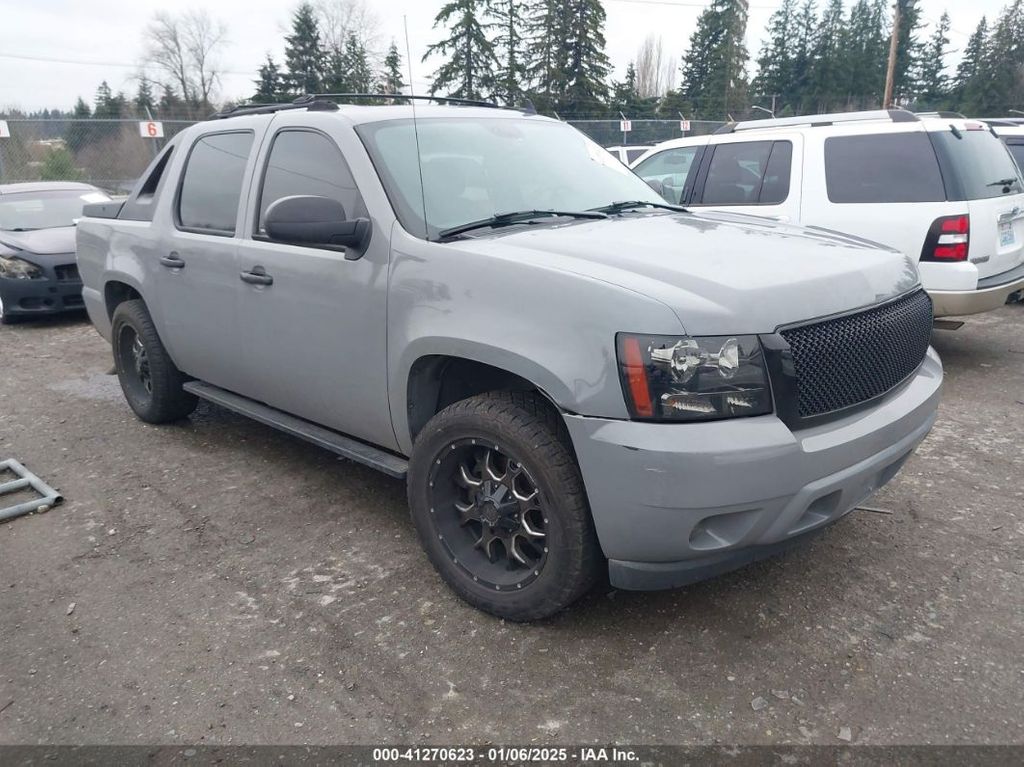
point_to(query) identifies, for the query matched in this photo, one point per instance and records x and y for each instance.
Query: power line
(81, 62)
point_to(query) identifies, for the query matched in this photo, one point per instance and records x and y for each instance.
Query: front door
(315, 333)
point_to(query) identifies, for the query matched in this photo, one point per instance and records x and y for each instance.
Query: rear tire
(499, 506)
(150, 381)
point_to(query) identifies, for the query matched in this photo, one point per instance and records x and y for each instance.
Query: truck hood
(39, 244)
(721, 273)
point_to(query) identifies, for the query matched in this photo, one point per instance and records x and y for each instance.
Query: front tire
(150, 381)
(499, 506)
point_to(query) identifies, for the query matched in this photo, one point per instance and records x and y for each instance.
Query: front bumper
(990, 294)
(676, 503)
(49, 295)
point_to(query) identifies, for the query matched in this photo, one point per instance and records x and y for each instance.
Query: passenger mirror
(317, 221)
(656, 185)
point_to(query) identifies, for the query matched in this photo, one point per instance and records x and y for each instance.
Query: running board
(346, 447)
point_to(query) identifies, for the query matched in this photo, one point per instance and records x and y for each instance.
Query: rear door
(195, 272)
(980, 169)
(759, 176)
(316, 337)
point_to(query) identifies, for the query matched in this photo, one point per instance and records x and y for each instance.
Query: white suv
(943, 190)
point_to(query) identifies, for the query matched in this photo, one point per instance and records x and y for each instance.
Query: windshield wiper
(1004, 182)
(20, 229)
(618, 207)
(516, 217)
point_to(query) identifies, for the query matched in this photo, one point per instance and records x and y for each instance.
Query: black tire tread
(169, 402)
(531, 418)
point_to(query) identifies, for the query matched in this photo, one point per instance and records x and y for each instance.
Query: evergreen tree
(866, 53)
(508, 44)
(933, 80)
(391, 78)
(269, 83)
(999, 83)
(828, 78)
(171, 105)
(304, 53)
(714, 68)
(969, 69)
(144, 102)
(468, 71)
(908, 52)
(803, 57)
(348, 68)
(586, 63)
(547, 57)
(775, 63)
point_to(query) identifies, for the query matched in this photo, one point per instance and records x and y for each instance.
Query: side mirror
(318, 221)
(656, 185)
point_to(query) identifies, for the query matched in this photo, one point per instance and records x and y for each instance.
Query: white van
(944, 190)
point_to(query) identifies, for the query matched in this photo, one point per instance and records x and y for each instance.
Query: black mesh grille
(67, 273)
(852, 359)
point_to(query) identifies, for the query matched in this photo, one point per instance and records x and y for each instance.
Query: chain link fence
(111, 154)
(108, 153)
(644, 132)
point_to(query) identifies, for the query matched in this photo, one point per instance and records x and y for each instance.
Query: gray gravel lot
(233, 585)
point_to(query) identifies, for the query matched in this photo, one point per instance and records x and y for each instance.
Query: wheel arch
(434, 380)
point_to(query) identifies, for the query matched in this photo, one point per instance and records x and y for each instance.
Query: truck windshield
(982, 163)
(474, 168)
(23, 212)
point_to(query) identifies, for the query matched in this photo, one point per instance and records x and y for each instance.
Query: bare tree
(183, 48)
(341, 18)
(655, 74)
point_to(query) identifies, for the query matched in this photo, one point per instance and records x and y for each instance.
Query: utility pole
(890, 73)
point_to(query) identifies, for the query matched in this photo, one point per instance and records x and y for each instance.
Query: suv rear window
(882, 167)
(981, 164)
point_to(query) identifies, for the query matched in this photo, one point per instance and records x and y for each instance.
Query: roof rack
(817, 121)
(1005, 122)
(944, 114)
(328, 102)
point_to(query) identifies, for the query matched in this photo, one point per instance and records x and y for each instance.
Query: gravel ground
(233, 585)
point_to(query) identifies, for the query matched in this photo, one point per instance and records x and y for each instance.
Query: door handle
(172, 261)
(257, 276)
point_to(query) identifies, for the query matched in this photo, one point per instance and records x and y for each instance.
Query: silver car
(570, 374)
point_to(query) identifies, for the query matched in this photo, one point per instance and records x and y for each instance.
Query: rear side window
(1017, 150)
(633, 154)
(982, 166)
(211, 185)
(140, 206)
(882, 167)
(307, 163)
(749, 173)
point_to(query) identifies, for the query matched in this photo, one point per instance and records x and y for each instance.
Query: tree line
(818, 56)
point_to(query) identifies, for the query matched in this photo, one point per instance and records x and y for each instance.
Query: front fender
(551, 327)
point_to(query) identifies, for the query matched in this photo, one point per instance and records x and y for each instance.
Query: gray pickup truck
(571, 375)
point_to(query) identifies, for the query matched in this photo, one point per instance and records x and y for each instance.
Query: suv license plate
(1006, 237)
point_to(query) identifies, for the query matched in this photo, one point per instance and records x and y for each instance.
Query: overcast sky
(52, 51)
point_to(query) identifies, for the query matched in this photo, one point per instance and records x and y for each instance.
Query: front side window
(303, 162)
(211, 186)
(882, 167)
(27, 211)
(471, 168)
(748, 173)
(671, 169)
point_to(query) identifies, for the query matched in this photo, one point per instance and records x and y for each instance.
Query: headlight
(673, 378)
(16, 269)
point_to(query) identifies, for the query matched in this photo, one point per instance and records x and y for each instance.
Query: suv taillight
(948, 239)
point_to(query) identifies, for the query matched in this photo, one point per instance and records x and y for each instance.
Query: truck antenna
(416, 130)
